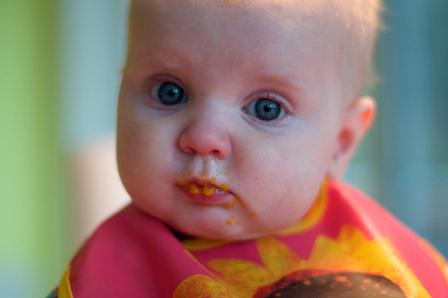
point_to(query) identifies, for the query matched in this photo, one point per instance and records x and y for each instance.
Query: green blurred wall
(32, 242)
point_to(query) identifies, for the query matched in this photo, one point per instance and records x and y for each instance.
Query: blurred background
(59, 74)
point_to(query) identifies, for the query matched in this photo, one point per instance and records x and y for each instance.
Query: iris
(170, 94)
(267, 109)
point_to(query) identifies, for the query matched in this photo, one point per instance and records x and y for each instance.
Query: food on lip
(193, 188)
(204, 187)
(208, 190)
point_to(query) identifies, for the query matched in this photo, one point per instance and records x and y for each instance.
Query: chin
(215, 229)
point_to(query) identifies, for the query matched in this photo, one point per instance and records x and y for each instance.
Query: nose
(205, 138)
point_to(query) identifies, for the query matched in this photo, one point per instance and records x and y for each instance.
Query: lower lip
(216, 199)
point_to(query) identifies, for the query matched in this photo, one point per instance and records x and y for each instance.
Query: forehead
(301, 16)
(264, 30)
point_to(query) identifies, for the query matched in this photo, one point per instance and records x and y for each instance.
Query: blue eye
(265, 109)
(169, 94)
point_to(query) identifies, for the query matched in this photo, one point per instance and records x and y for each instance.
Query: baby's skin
(231, 115)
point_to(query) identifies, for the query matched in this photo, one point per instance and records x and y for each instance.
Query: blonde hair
(362, 19)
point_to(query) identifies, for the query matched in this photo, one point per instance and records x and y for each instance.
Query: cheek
(299, 158)
(285, 176)
(145, 156)
(146, 170)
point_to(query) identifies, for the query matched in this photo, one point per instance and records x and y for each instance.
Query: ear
(357, 120)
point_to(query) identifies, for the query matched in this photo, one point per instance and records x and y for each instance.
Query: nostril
(216, 152)
(188, 150)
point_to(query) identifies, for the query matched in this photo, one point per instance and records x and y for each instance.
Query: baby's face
(228, 118)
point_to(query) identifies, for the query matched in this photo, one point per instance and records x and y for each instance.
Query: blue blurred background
(59, 74)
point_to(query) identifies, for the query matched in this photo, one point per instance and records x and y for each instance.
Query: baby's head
(233, 113)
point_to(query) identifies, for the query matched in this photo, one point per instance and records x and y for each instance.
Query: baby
(236, 119)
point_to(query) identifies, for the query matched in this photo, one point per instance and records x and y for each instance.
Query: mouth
(205, 191)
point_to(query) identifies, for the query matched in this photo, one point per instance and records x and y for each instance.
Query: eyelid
(275, 96)
(162, 78)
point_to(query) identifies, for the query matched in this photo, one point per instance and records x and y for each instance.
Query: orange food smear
(232, 220)
(231, 204)
(208, 190)
(193, 188)
(224, 187)
(251, 214)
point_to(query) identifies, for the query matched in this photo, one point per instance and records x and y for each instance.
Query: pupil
(267, 109)
(170, 94)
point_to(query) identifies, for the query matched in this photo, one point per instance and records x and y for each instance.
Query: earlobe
(368, 110)
(358, 119)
